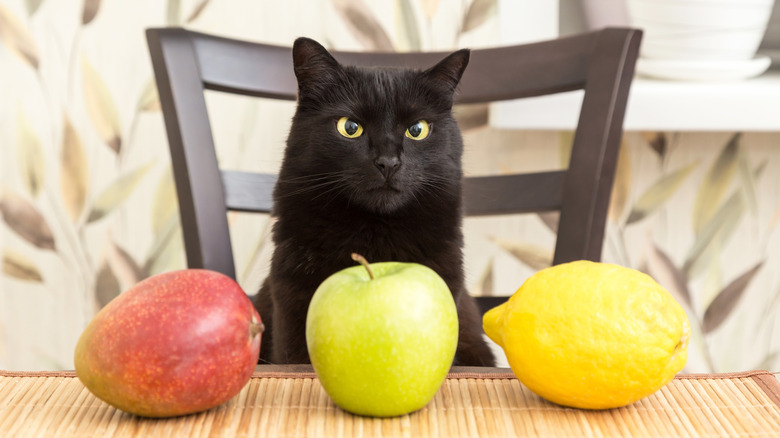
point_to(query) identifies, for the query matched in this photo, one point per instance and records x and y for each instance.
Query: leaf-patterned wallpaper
(699, 212)
(722, 210)
(89, 208)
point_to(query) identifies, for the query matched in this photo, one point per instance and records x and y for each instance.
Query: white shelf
(747, 105)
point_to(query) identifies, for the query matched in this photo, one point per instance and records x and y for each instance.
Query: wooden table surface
(287, 401)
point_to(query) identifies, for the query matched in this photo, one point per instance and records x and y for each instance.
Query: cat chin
(384, 202)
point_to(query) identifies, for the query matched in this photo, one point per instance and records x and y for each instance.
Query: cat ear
(312, 62)
(448, 71)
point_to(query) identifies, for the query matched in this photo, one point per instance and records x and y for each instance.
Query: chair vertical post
(587, 189)
(198, 179)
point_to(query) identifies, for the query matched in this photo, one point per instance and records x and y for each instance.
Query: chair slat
(500, 73)
(246, 68)
(509, 194)
(247, 191)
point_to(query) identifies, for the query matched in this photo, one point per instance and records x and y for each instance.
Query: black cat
(373, 166)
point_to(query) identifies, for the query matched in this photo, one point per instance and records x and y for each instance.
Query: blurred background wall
(89, 208)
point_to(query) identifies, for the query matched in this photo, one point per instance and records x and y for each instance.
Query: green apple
(382, 337)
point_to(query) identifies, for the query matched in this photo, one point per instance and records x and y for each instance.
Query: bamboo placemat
(279, 403)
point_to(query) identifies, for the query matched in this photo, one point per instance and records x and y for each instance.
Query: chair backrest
(601, 63)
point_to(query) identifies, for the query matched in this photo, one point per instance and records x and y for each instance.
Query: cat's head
(380, 138)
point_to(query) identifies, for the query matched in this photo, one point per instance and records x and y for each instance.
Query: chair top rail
(500, 73)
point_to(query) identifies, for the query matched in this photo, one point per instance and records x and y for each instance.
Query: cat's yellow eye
(349, 128)
(419, 130)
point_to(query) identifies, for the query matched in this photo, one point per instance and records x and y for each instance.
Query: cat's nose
(387, 165)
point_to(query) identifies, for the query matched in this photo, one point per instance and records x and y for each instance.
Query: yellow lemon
(591, 335)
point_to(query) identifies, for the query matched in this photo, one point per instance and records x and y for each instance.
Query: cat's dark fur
(383, 195)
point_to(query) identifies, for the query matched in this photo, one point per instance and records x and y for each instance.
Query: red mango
(175, 343)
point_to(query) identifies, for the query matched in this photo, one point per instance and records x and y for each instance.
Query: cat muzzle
(387, 165)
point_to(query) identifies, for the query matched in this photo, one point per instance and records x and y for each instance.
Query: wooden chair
(601, 62)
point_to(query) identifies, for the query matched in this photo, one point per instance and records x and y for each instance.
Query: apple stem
(362, 260)
(256, 328)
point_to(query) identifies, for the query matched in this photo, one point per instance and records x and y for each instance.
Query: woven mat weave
(276, 404)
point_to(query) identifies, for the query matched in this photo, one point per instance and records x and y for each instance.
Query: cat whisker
(312, 188)
(334, 194)
(430, 187)
(314, 176)
(331, 190)
(343, 188)
(351, 194)
(434, 185)
(315, 183)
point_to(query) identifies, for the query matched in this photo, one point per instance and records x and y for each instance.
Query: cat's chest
(382, 239)
(310, 250)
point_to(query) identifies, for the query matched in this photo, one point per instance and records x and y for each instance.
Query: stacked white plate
(701, 39)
